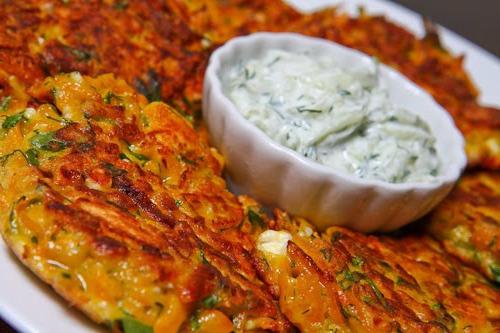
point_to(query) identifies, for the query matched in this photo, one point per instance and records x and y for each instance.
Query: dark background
(478, 21)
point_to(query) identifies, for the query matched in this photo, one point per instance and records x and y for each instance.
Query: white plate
(30, 306)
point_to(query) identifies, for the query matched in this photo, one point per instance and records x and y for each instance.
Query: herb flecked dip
(342, 118)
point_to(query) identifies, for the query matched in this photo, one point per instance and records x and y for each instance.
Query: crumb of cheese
(275, 242)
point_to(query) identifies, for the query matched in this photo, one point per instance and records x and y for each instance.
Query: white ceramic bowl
(278, 176)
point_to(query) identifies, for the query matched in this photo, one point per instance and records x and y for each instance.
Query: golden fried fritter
(481, 128)
(347, 282)
(120, 207)
(468, 222)
(222, 20)
(141, 41)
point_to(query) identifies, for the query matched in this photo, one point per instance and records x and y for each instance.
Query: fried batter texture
(121, 208)
(140, 40)
(377, 284)
(468, 222)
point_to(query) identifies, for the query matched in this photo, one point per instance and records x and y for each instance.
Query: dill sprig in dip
(342, 118)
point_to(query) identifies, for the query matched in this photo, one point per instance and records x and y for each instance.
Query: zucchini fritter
(468, 222)
(220, 21)
(377, 284)
(140, 40)
(120, 207)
